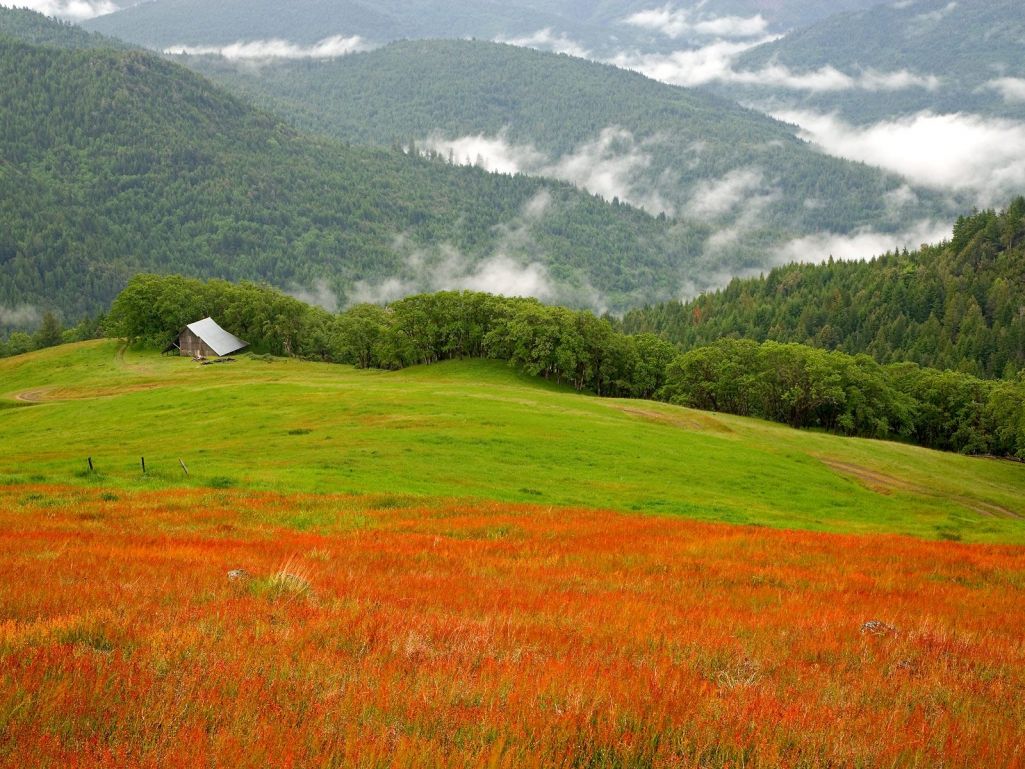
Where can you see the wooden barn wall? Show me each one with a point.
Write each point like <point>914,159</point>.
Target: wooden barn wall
<point>192,346</point>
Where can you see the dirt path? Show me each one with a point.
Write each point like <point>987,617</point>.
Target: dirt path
<point>694,421</point>
<point>888,484</point>
<point>32,396</point>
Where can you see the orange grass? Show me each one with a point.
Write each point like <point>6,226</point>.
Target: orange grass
<point>490,635</point>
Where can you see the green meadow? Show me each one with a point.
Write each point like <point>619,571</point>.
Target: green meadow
<point>470,430</point>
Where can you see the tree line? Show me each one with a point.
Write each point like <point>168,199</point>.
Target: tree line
<point>785,382</point>
<point>959,305</point>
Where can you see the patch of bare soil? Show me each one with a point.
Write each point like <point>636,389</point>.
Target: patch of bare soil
<point>882,483</point>
<point>696,421</point>
<point>37,395</point>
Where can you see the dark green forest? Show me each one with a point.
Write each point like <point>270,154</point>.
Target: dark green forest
<point>967,45</point>
<point>958,305</point>
<point>685,144</point>
<point>597,26</point>
<point>116,162</point>
<point>37,29</point>
<point>790,383</point>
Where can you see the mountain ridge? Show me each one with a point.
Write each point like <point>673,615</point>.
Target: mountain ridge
<point>119,162</point>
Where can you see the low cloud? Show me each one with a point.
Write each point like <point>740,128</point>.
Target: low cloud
<point>492,153</point>
<point>73,10</point>
<point>613,165</point>
<point>675,23</point>
<point>1011,88</point>
<point>932,17</point>
<point>899,199</point>
<point>747,222</point>
<point>863,244</point>
<point>448,270</point>
<point>957,151</point>
<point>20,316</point>
<point>718,197</point>
<point>714,63</point>
<point>546,40</point>
<point>264,50</point>
<point>319,295</point>
<point>515,267</point>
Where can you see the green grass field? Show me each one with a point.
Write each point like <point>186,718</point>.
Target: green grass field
<point>471,430</point>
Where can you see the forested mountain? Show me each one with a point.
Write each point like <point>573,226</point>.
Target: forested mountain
<point>37,29</point>
<point>975,49</point>
<point>668,149</point>
<point>113,162</point>
<point>600,27</point>
<point>959,305</point>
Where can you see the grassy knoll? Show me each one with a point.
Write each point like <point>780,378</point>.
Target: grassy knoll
<point>472,430</point>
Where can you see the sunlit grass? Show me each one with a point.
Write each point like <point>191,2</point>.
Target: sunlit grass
<point>472,430</point>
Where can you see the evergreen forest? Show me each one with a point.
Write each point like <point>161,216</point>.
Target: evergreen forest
<point>956,305</point>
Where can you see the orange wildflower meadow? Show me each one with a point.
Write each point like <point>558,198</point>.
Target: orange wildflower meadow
<point>387,632</point>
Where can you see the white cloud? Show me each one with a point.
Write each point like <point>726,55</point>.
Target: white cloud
<point>693,67</point>
<point>546,40</point>
<point>74,10</point>
<point>514,268</point>
<point>492,153</point>
<point>900,198</point>
<point>537,206</point>
<point>718,197</point>
<point>22,315</point>
<point>1011,88</point>
<point>955,151</point>
<point>501,275</point>
<point>934,16</point>
<point>261,50</point>
<point>319,295</point>
<point>749,220</point>
<point>713,63</point>
<point>677,23</point>
<point>388,290</point>
<point>612,165</point>
<point>863,244</point>
<point>446,269</point>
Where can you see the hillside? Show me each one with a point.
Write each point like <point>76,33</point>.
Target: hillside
<point>974,48</point>
<point>114,162</point>
<point>473,430</point>
<point>37,29</point>
<point>616,133</point>
<point>959,305</point>
<point>600,28</point>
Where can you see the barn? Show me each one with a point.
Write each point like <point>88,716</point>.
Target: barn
<point>205,339</point>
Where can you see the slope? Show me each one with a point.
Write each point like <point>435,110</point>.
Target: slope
<point>959,305</point>
<point>472,429</point>
<point>114,162</point>
<point>37,29</point>
<point>600,28</point>
<point>613,132</point>
<point>973,48</point>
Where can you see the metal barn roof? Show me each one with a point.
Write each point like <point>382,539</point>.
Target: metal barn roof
<point>219,340</point>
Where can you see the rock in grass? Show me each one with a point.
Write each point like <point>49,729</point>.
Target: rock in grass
<point>878,628</point>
